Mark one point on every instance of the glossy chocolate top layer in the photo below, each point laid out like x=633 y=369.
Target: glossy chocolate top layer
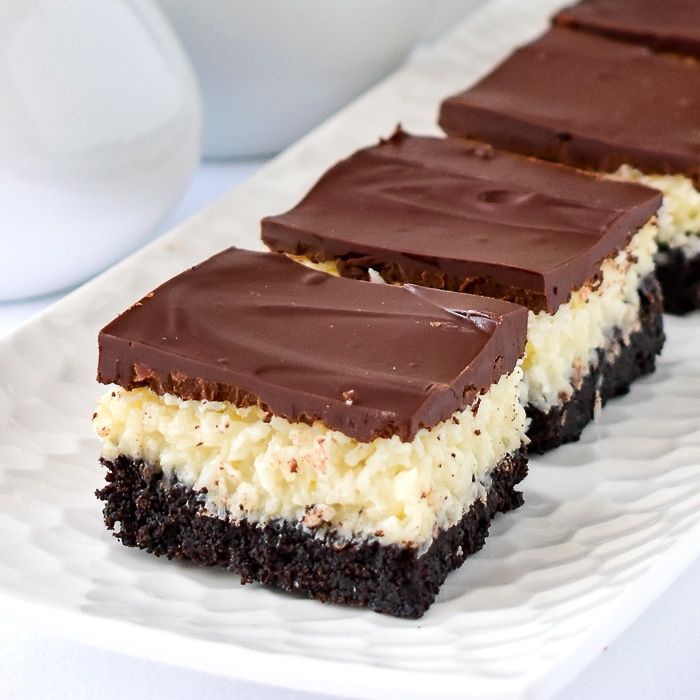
x=587 y=101
x=460 y=215
x=369 y=360
x=669 y=25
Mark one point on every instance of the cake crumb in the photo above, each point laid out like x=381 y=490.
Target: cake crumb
x=316 y=515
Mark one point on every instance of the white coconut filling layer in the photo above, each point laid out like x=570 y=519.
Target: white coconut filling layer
x=562 y=346
x=679 y=215
x=396 y=492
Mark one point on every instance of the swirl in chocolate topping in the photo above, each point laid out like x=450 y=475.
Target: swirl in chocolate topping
x=369 y=360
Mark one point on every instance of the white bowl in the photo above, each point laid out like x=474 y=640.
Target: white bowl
x=271 y=69
x=99 y=136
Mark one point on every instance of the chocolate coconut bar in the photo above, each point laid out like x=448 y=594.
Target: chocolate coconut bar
x=612 y=107
x=347 y=441
x=446 y=213
x=673 y=25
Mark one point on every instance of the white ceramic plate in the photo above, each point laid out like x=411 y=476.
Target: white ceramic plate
x=608 y=522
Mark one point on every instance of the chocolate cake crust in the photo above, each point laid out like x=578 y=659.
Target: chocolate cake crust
x=679 y=276
x=365 y=359
x=586 y=101
x=610 y=377
x=463 y=216
x=167 y=520
x=673 y=25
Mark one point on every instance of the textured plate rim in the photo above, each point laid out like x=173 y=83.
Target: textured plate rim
x=299 y=672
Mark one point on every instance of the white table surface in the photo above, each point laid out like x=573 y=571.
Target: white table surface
x=655 y=658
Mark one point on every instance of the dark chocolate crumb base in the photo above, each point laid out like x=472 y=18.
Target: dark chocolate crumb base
x=679 y=276
x=607 y=379
x=166 y=519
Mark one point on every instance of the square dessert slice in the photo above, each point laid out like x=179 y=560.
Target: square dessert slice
x=575 y=249
x=673 y=25
x=615 y=108
x=345 y=440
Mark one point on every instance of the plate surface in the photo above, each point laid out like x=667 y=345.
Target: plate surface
x=608 y=522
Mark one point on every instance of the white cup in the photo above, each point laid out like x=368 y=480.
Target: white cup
x=99 y=135
x=269 y=70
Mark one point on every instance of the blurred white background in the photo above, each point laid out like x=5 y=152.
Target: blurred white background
x=99 y=147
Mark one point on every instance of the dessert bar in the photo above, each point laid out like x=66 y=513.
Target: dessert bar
x=343 y=440
x=673 y=25
x=447 y=213
x=603 y=105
